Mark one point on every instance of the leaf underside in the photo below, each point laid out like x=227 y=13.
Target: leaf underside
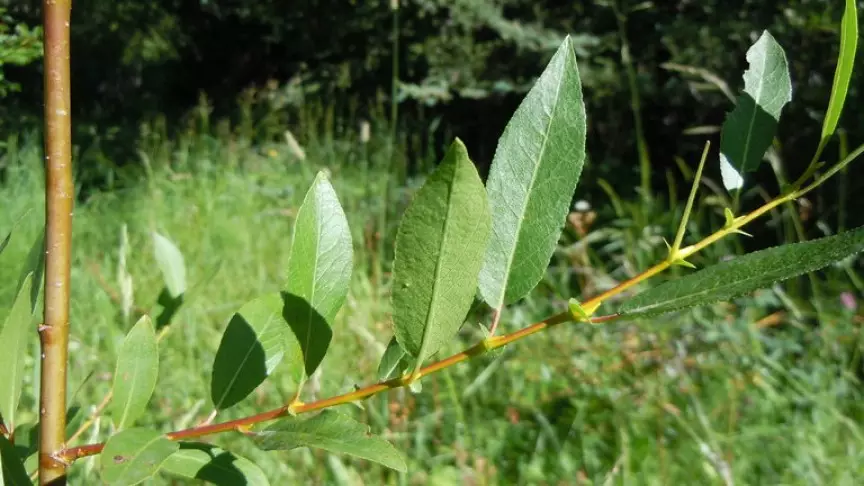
x=171 y=264
x=136 y=373
x=213 y=465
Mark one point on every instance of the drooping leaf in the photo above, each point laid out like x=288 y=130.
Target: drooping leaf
x=171 y=264
x=134 y=455
x=14 y=338
x=843 y=71
x=743 y=274
x=12 y=471
x=439 y=250
x=256 y=340
x=209 y=463
x=749 y=129
x=393 y=361
x=534 y=172
x=319 y=269
x=35 y=264
x=332 y=432
x=136 y=373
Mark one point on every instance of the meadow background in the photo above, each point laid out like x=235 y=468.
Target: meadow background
x=206 y=121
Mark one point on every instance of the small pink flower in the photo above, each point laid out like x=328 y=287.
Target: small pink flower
x=848 y=301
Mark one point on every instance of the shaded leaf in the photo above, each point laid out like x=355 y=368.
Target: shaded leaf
x=134 y=455
x=534 y=172
x=14 y=336
x=744 y=274
x=136 y=373
x=439 y=250
x=256 y=340
x=213 y=465
x=393 y=361
x=12 y=471
x=34 y=264
x=843 y=71
x=332 y=432
x=319 y=269
x=171 y=264
x=749 y=129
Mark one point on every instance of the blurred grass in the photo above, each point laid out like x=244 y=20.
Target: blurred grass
x=760 y=390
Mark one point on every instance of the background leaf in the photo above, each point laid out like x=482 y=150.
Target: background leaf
x=34 y=264
x=12 y=471
x=749 y=130
x=136 y=373
x=133 y=455
x=333 y=432
x=14 y=338
x=439 y=249
x=170 y=261
x=319 y=269
x=256 y=340
x=843 y=71
x=744 y=274
x=213 y=465
x=534 y=172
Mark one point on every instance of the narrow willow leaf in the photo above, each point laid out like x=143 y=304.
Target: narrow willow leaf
x=136 y=373
x=209 y=463
x=134 y=455
x=5 y=242
x=749 y=129
x=744 y=274
x=171 y=264
x=843 y=72
x=333 y=432
x=393 y=361
x=35 y=264
x=534 y=172
x=256 y=340
x=439 y=250
x=14 y=338
x=12 y=471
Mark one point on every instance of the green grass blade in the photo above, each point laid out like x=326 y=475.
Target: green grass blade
x=439 y=250
x=749 y=130
x=319 y=269
x=136 y=373
x=213 y=465
x=534 y=172
x=332 y=432
x=170 y=261
x=744 y=274
x=14 y=338
x=843 y=72
x=134 y=455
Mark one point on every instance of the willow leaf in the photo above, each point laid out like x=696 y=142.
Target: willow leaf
x=209 y=463
x=136 y=373
x=14 y=336
x=134 y=455
x=843 y=71
x=171 y=264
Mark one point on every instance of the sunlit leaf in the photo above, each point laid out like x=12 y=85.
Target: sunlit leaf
x=136 y=373
x=439 y=250
x=15 y=338
x=332 y=432
x=843 y=71
x=744 y=274
x=749 y=129
x=134 y=455
x=319 y=269
x=256 y=340
x=209 y=463
x=12 y=471
x=534 y=172
x=170 y=262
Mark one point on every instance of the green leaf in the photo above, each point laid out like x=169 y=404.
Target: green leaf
x=319 y=269
x=256 y=340
x=749 y=130
x=14 y=336
x=534 y=172
x=214 y=465
x=170 y=262
x=843 y=71
x=12 y=471
x=136 y=373
x=393 y=361
x=744 y=274
x=134 y=455
x=34 y=264
x=439 y=250
x=332 y=432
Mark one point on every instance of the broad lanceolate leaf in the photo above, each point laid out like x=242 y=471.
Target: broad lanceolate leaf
x=534 y=173
x=136 y=373
x=319 y=269
x=256 y=341
x=744 y=274
x=209 y=463
x=170 y=262
x=843 y=71
x=333 y=432
x=12 y=471
x=133 y=455
x=439 y=250
x=14 y=338
x=749 y=130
